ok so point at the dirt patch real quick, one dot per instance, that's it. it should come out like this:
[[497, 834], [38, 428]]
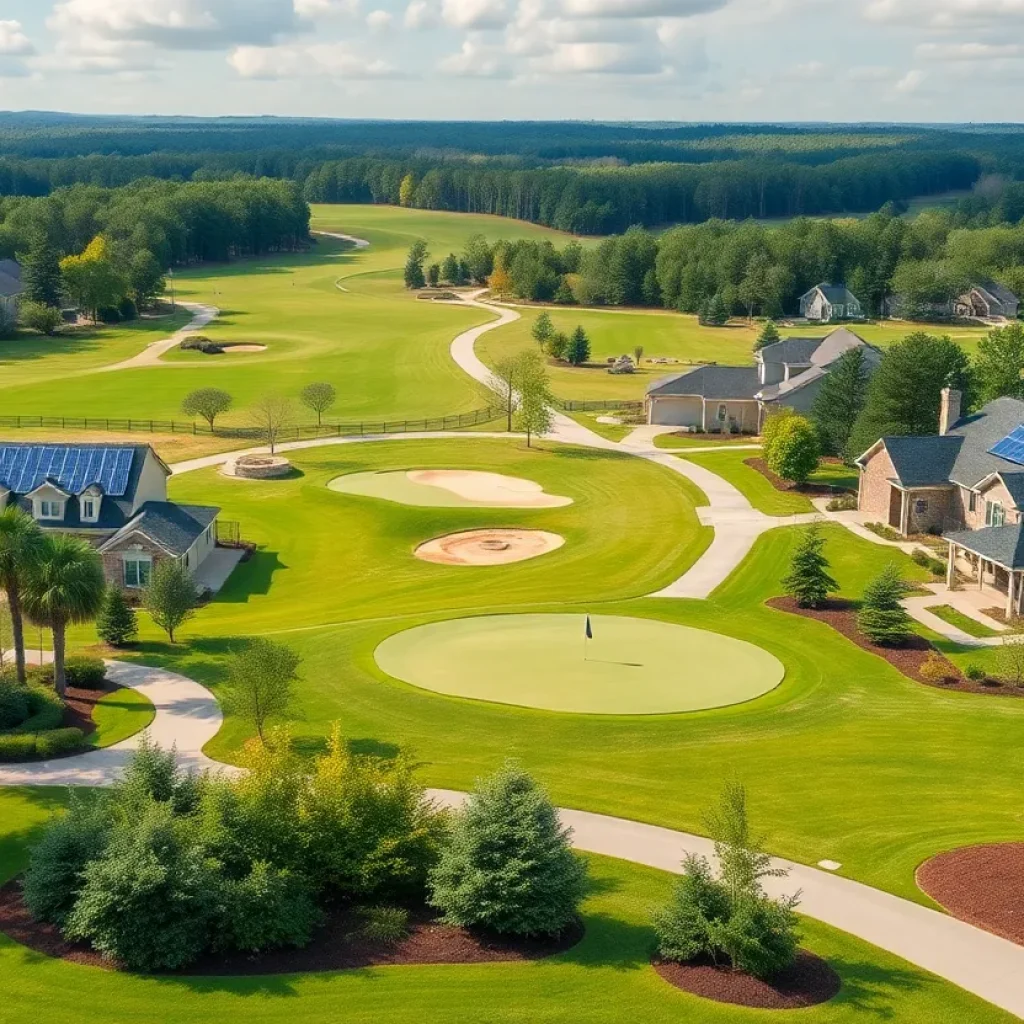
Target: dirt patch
[[982, 885], [338, 945], [489, 547], [810, 981], [815, 490], [470, 485]]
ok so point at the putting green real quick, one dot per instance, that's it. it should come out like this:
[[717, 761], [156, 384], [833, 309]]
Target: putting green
[[632, 666], [448, 488]]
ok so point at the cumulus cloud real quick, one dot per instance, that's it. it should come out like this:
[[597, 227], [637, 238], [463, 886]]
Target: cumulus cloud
[[319, 60], [379, 21], [13, 41], [638, 8], [476, 14], [476, 60], [969, 51], [602, 58], [420, 15], [911, 81], [947, 14], [312, 9]]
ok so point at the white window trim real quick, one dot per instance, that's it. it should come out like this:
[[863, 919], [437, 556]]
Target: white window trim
[[136, 558], [90, 517], [49, 509]]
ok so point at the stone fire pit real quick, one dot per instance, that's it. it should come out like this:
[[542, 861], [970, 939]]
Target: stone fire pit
[[261, 467]]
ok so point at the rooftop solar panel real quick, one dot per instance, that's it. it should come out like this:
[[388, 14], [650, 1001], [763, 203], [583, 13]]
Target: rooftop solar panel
[[1011, 447], [24, 467]]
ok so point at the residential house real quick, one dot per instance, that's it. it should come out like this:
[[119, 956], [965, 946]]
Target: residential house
[[736, 398], [10, 291], [827, 302], [966, 482], [113, 495], [988, 301]]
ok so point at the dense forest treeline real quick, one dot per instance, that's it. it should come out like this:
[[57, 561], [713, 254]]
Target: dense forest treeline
[[745, 267]]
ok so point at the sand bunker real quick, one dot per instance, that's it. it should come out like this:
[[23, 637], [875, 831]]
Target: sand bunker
[[508, 491], [448, 488], [489, 547], [230, 349]]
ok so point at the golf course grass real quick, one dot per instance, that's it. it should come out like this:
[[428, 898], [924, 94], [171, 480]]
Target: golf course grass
[[630, 666], [401, 487]]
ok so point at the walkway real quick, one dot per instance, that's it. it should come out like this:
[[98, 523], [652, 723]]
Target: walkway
[[150, 355]]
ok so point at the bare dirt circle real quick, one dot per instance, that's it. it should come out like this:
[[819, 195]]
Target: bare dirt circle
[[489, 547]]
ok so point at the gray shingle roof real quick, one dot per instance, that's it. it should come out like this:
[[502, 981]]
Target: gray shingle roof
[[998, 292], [923, 461], [790, 350], [980, 432], [1002, 544], [718, 382], [10, 286], [1015, 485], [174, 527]]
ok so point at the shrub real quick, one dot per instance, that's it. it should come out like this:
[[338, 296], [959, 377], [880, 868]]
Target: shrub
[[127, 309], [267, 909], [388, 925], [17, 747], [57, 862], [935, 668], [153, 774], [37, 316], [59, 741], [773, 425], [795, 449], [116, 624], [934, 565], [882, 618], [844, 503], [85, 673], [699, 902], [508, 865], [884, 531], [975, 673], [108, 315], [1009, 666], [197, 343], [558, 345], [46, 711], [14, 702]]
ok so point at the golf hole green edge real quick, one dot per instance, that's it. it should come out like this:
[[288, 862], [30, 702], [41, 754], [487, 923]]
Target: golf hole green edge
[[632, 666]]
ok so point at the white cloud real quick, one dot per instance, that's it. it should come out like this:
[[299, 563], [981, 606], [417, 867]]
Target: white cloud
[[13, 41], [319, 60], [869, 73], [379, 21], [313, 9], [600, 58], [638, 8], [809, 70], [969, 51], [420, 15], [947, 14], [911, 81], [476, 14], [476, 60]]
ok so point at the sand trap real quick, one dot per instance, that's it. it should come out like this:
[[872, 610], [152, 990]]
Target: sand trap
[[245, 348], [489, 547], [448, 488], [509, 491]]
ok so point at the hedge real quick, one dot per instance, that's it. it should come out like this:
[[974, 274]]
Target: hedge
[[80, 672], [28, 746]]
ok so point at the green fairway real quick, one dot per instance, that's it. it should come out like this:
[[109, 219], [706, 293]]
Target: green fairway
[[629, 667], [401, 488]]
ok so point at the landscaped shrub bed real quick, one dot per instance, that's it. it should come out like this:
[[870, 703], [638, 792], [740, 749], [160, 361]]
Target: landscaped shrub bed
[[198, 343], [81, 673]]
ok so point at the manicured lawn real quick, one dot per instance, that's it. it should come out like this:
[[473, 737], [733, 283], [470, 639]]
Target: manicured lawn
[[836, 474], [119, 715], [972, 627], [756, 488], [593, 982], [611, 431], [672, 442]]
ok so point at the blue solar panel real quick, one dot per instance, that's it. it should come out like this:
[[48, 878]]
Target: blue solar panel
[[1011, 447], [24, 467]]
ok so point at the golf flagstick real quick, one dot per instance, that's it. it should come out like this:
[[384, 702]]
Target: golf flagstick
[[588, 635]]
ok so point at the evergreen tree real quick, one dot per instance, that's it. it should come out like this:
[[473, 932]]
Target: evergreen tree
[[414, 276], [808, 579], [542, 329], [999, 364], [769, 336], [508, 865], [433, 275], [451, 269], [40, 273], [116, 623], [578, 352], [840, 401], [715, 314], [564, 295], [882, 618]]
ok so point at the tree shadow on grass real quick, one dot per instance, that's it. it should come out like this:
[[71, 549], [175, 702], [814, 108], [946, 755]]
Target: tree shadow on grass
[[609, 942], [359, 746], [15, 843], [873, 989], [256, 576]]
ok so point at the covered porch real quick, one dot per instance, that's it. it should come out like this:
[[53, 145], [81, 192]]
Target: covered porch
[[992, 559]]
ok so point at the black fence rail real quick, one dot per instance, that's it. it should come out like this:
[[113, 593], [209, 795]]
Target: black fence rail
[[602, 406], [291, 433]]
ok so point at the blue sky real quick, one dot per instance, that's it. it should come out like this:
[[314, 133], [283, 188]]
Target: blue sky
[[846, 60]]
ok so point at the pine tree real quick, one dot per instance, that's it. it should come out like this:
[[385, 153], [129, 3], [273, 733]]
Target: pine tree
[[451, 269], [808, 579], [882, 618], [40, 269], [769, 336], [508, 865], [564, 295], [579, 347], [433, 275], [116, 623], [414, 276], [840, 401], [716, 315]]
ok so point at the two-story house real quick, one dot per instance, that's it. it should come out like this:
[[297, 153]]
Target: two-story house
[[827, 302]]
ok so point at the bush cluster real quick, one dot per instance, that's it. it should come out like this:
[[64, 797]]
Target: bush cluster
[[199, 343], [82, 673], [934, 565]]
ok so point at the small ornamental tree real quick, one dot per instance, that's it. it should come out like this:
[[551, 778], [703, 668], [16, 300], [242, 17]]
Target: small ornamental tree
[[558, 345], [578, 351], [534, 416], [208, 403], [808, 579], [270, 415], [170, 596], [638, 355], [542, 329], [260, 682], [795, 450], [318, 396], [38, 317], [882, 618], [504, 381], [772, 428], [508, 866], [769, 336], [116, 623]]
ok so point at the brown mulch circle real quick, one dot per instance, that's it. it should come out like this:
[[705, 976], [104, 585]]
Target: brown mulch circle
[[80, 705], [982, 885], [338, 945], [810, 981], [815, 490]]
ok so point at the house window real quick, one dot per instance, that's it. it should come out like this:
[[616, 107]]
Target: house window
[[723, 413], [51, 510], [920, 506], [137, 569], [88, 509], [972, 501], [995, 514], [838, 310]]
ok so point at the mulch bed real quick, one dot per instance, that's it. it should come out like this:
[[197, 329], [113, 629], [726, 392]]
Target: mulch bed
[[982, 885], [809, 982], [338, 945], [815, 490], [80, 705]]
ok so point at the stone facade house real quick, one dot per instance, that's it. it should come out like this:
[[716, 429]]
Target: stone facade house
[[988, 301], [827, 302], [789, 373], [965, 483], [113, 495]]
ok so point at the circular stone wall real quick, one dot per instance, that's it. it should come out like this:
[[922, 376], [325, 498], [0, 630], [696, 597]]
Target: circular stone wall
[[489, 547], [631, 666], [261, 467]]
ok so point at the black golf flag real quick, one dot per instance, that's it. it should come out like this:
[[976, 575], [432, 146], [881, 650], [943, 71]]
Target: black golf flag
[[590, 632]]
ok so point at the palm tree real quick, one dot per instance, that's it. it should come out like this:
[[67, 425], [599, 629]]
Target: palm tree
[[64, 586], [20, 537]]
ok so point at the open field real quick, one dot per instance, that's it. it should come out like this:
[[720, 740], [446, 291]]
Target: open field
[[591, 983]]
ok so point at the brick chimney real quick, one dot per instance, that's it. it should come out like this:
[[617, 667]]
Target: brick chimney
[[949, 411]]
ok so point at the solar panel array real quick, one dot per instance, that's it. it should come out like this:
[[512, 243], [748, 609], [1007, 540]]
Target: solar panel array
[[1011, 447], [24, 467]]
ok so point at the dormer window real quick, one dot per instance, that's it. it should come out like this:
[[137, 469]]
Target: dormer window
[[88, 510], [51, 509], [89, 505]]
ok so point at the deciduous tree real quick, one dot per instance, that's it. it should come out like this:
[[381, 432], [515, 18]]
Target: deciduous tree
[[794, 452], [999, 364], [271, 415], [261, 682], [208, 403], [534, 416], [170, 596], [319, 396]]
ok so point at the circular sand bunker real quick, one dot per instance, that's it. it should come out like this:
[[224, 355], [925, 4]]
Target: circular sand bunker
[[489, 547], [631, 666], [243, 349], [449, 488]]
